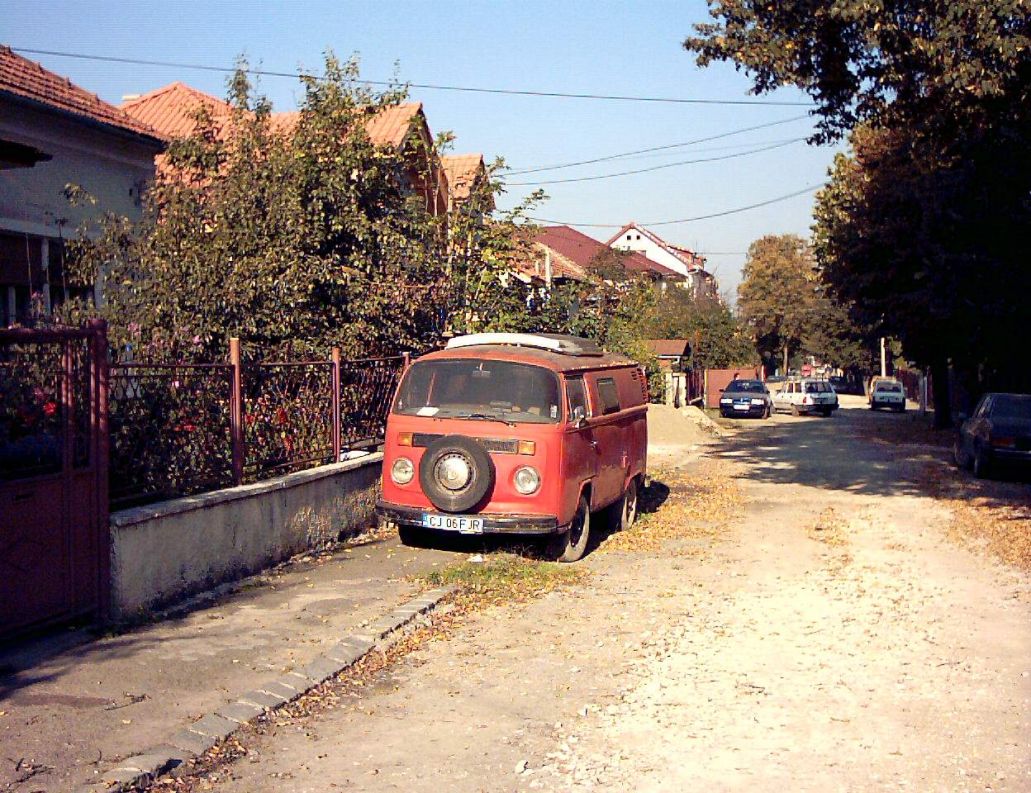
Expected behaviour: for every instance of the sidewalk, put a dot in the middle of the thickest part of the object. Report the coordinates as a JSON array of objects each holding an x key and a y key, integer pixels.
[{"x": 69, "y": 713}]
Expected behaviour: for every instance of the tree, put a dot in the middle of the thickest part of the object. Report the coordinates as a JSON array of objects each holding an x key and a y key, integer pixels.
[
  {"x": 921, "y": 228},
  {"x": 310, "y": 235},
  {"x": 777, "y": 295},
  {"x": 717, "y": 338}
]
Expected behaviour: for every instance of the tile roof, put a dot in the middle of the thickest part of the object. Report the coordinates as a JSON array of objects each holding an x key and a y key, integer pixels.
[
  {"x": 172, "y": 110},
  {"x": 690, "y": 259},
  {"x": 582, "y": 250},
  {"x": 462, "y": 171},
  {"x": 26, "y": 79},
  {"x": 668, "y": 347}
]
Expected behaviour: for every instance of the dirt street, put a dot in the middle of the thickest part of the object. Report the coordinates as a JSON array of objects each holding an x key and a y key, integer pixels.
[{"x": 823, "y": 633}]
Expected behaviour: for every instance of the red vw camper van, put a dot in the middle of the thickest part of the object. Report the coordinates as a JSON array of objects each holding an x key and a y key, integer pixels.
[{"x": 516, "y": 433}]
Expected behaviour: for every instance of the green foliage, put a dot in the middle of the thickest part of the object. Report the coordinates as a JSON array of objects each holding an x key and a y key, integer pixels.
[
  {"x": 718, "y": 339},
  {"x": 922, "y": 229},
  {"x": 307, "y": 234}
]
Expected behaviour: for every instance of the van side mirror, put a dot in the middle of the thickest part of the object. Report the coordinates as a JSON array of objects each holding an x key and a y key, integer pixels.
[{"x": 579, "y": 417}]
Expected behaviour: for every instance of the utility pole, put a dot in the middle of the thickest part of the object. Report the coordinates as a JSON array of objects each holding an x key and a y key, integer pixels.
[
  {"x": 884, "y": 360},
  {"x": 547, "y": 268}
]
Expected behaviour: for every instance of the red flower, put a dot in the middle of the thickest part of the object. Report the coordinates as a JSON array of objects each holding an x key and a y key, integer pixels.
[
  {"x": 281, "y": 417},
  {"x": 49, "y": 408}
]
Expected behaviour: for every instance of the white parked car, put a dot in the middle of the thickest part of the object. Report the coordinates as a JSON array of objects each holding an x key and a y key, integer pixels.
[
  {"x": 802, "y": 397},
  {"x": 888, "y": 394}
]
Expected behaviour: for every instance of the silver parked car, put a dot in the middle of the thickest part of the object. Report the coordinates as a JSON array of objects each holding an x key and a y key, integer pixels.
[{"x": 803, "y": 397}]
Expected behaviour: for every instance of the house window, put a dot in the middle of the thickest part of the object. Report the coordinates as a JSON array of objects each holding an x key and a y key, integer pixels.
[
  {"x": 638, "y": 236},
  {"x": 628, "y": 236}
]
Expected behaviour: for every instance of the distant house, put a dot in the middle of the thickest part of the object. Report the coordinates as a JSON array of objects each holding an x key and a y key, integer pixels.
[
  {"x": 562, "y": 252},
  {"x": 466, "y": 176},
  {"x": 672, "y": 353},
  {"x": 684, "y": 261},
  {"x": 172, "y": 110},
  {"x": 55, "y": 139}
]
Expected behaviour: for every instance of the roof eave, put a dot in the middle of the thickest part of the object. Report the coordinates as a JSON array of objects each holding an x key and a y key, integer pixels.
[{"x": 159, "y": 142}]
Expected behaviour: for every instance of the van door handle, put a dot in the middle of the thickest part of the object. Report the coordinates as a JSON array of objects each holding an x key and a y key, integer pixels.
[{"x": 594, "y": 444}]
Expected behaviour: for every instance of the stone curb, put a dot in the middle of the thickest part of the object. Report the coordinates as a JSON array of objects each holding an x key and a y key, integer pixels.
[{"x": 196, "y": 738}]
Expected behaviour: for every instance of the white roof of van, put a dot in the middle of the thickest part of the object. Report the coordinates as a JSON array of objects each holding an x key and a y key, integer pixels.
[{"x": 566, "y": 345}]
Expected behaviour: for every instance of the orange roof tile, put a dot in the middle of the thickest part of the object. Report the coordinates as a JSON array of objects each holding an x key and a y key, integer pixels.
[
  {"x": 172, "y": 110},
  {"x": 26, "y": 79},
  {"x": 462, "y": 171}
]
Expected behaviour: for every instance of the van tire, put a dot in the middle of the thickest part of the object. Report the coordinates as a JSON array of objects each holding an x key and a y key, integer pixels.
[
  {"x": 570, "y": 545},
  {"x": 622, "y": 514},
  {"x": 411, "y": 536}
]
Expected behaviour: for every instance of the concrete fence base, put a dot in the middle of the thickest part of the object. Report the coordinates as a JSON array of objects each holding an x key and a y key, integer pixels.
[{"x": 163, "y": 552}]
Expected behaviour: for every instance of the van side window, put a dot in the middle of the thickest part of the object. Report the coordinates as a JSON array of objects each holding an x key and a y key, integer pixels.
[
  {"x": 576, "y": 396},
  {"x": 608, "y": 395}
]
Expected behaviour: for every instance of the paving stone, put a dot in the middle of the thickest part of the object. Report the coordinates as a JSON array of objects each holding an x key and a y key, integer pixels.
[
  {"x": 322, "y": 668},
  {"x": 241, "y": 712},
  {"x": 192, "y": 741},
  {"x": 215, "y": 726},
  {"x": 279, "y": 689},
  {"x": 176, "y": 756},
  {"x": 295, "y": 683},
  {"x": 152, "y": 763},
  {"x": 346, "y": 654},
  {"x": 263, "y": 698},
  {"x": 305, "y": 681},
  {"x": 361, "y": 643},
  {"x": 122, "y": 777}
]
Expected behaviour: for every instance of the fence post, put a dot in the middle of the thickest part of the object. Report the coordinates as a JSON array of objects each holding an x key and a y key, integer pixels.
[
  {"x": 101, "y": 461},
  {"x": 335, "y": 355},
  {"x": 236, "y": 410},
  {"x": 406, "y": 361}
]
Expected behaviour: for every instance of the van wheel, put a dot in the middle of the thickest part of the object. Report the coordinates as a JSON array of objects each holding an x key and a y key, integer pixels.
[
  {"x": 981, "y": 466},
  {"x": 570, "y": 545},
  {"x": 411, "y": 536},
  {"x": 623, "y": 512}
]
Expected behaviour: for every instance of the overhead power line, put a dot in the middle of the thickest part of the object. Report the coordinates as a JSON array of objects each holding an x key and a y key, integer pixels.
[
  {"x": 726, "y": 212},
  {"x": 657, "y": 148},
  {"x": 425, "y": 86},
  {"x": 659, "y": 167}
]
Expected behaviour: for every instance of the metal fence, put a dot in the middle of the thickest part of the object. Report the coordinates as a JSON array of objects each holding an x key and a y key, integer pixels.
[{"x": 180, "y": 429}]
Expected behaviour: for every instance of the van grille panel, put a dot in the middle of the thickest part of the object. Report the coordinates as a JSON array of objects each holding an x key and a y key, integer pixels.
[{"x": 496, "y": 445}]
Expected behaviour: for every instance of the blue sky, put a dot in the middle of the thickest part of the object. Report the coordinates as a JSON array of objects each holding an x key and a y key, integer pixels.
[{"x": 576, "y": 47}]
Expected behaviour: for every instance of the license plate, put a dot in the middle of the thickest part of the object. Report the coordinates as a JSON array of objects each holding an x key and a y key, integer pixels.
[
  {"x": 458, "y": 523},
  {"x": 741, "y": 407}
]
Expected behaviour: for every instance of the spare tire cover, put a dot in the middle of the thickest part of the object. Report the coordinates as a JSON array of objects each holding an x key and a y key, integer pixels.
[{"x": 456, "y": 473}]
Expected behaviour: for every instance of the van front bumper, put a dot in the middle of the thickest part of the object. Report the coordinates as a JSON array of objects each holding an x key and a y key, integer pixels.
[{"x": 493, "y": 523}]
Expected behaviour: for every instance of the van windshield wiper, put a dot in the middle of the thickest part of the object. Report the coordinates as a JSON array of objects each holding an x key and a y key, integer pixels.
[{"x": 485, "y": 417}]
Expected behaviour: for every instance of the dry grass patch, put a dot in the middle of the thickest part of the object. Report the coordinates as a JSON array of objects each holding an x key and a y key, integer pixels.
[
  {"x": 681, "y": 505},
  {"x": 504, "y": 577}
]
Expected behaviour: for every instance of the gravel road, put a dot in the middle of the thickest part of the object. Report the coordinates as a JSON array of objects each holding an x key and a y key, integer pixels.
[{"x": 822, "y": 633}]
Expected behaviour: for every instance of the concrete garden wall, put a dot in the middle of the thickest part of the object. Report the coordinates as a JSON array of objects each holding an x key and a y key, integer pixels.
[{"x": 163, "y": 552}]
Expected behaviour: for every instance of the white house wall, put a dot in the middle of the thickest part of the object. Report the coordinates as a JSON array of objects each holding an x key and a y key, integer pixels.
[
  {"x": 642, "y": 244},
  {"x": 109, "y": 166}
]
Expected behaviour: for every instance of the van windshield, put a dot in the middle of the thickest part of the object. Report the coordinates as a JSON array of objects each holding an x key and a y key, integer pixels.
[{"x": 478, "y": 389}]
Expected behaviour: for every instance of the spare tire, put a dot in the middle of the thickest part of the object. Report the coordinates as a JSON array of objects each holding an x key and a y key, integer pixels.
[{"x": 456, "y": 473}]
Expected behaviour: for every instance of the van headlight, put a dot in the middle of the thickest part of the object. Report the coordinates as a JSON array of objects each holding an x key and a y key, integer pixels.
[
  {"x": 527, "y": 480},
  {"x": 726, "y": 401},
  {"x": 402, "y": 471},
  {"x": 758, "y": 401}
]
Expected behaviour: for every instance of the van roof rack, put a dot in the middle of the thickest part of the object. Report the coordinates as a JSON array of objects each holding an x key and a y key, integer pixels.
[{"x": 554, "y": 342}]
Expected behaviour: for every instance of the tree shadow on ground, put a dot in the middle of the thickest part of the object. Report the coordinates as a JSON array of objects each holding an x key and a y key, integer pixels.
[{"x": 861, "y": 452}]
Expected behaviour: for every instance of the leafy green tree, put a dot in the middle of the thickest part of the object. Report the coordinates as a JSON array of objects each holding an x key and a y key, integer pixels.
[
  {"x": 777, "y": 294},
  {"x": 309, "y": 235},
  {"x": 920, "y": 230},
  {"x": 717, "y": 338}
]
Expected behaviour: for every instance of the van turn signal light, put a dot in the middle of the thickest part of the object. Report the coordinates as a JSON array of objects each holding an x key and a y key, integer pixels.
[
  {"x": 404, "y": 438},
  {"x": 527, "y": 447}
]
